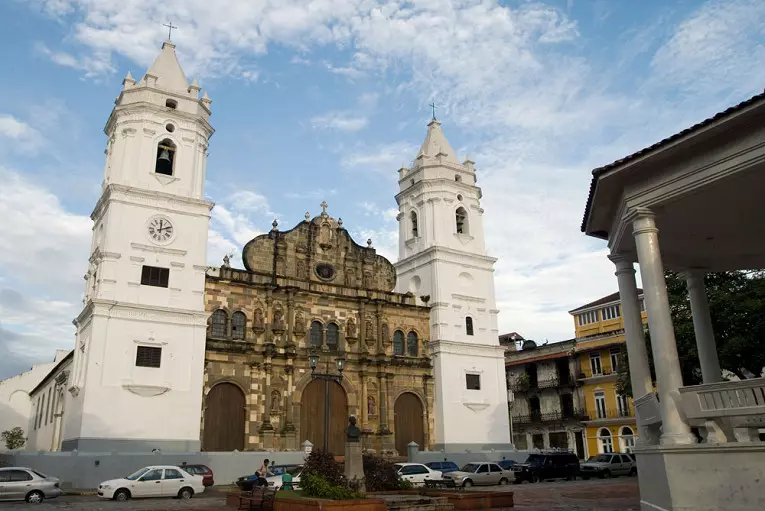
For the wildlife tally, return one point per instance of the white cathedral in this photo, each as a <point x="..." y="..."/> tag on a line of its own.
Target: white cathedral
<point x="151" y="227"/>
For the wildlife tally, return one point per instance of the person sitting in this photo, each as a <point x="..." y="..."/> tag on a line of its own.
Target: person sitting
<point x="264" y="472"/>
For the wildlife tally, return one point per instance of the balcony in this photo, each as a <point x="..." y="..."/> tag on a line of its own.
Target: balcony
<point x="548" y="383"/>
<point x="551" y="417"/>
<point x="587" y="375"/>
<point x="616" y="416"/>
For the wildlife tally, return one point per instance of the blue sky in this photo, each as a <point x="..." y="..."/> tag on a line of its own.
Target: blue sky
<point x="323" y="100"/>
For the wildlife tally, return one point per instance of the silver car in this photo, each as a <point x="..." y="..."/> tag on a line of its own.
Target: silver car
<point x="608" y="465"/>
<point x="19" y="483"/>
<point x="479" y="473"/>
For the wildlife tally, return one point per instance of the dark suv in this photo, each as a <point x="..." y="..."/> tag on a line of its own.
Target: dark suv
<point x="443" y="466"/>
<point x="539" y="467"/>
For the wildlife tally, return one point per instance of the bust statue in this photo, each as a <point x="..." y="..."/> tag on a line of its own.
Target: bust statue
<point x="352" y="432"/>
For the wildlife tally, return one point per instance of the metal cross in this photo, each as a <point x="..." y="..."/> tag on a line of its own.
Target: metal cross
<point x="324" y="206"/>
<point x="170" y="28"/>
<point x="433" y="106"/>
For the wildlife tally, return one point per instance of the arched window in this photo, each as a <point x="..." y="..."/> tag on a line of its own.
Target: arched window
<point x="218" y="327"/>
<point x="315" y="335"/>
<point x="626" y="439"/>
<point x="165" y="158"/>
<point x="333" y="336"/>
<point x="398" y="342"/>
<point x="238" y="320"/>
<point x="461" y="221"/>
<point x="171" y="103"/>
<point x="605" y="442"/>
<point x="469" y="325"/>
<point x="415" y="231"/>
<point x="411" y="344"/>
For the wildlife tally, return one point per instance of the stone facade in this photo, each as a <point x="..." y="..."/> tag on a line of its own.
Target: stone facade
<point x="315" y="274"/>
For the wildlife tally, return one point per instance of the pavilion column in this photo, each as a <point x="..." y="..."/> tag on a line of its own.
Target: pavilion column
<point x="702" y="327"/>
<point x="637" y="353"/>
<point x="663" y="344"/>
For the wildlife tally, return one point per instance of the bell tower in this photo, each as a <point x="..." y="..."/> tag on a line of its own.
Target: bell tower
<point x="137" y="376"/>
<point x="443" y="261"/>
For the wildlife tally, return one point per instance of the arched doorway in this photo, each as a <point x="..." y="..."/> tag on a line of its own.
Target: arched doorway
<point x="312" y="408"/>
<point x="225" y="412"/>
<point x="408" y="422"/>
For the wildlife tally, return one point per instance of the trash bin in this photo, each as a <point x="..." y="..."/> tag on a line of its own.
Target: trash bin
<point x="287" y="481"/>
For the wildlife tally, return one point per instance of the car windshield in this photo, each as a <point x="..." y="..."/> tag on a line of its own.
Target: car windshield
<point x="295" y="471"/>
<point x="470" y="467"/>
<point x="601" y="458"/>
<point x="535" y="459"/>
<point x="136" y="475"/>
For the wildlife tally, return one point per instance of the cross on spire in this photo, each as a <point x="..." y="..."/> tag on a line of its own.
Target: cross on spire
<point x="324" y="207"/>
<point x="433" y="106"/>
<point x="170" y="28"/>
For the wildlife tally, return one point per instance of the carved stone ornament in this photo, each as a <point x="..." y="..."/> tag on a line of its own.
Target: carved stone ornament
<point x="302" y="274"/>
<point x="299" y="323"/>
<point x="325" y="271"/>
<point x="350" y="329"/>
<point x="278" y="324"/>
<point x="257" y="321"/>
<point x="370" y="331"/>
<point x="385" y="334"/>
<point x="350" y="281"/>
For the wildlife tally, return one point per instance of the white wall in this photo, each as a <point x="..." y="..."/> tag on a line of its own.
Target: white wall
<point x="49" y="404"/>
<point x="15" y="403"/>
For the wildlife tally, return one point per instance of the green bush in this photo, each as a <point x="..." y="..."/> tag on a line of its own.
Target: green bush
<point x="314" y="485"/>
<point x="404" y="484"/>
<point x="323" y="464"/>
<point x="380" y="474"/>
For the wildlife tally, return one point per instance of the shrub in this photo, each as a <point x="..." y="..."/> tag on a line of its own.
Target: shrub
<point x="380" y="475"/>
<point x="404" y="484"/>
<point x="14" y="438"/>
<point x="323" y="464"/>
<point x="314" y="485"/>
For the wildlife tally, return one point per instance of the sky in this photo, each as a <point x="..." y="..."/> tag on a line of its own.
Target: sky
<point x="325" y="99"/>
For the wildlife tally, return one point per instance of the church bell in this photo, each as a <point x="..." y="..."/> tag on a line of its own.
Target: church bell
<point x="165" y="155"/>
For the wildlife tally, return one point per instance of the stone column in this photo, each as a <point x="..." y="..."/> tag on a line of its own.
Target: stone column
<point x="290" y="315"/>
<point x="290" y="435"/>
<point x="663" y="345"/>
<point x="378" y="318"/>
<point x="546" y="438"/>
<point x="364" y="409"/>
<point x="266" y="428"/>
<point x="269" y="317"/>
<point x="640" y="374"/>
<point x="425" y="379"/>
<point x="702" y="327"/>
<point x="362" y="340"/>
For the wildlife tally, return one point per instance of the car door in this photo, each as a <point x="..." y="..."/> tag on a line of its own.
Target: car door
<point x="626" y="464"/>
<point x="149" y="485"/>
<point x="496" y="473"/>
<point x="421" y="472"/>
<point x="5" y="475"/>
<point x="483" y="475"/>
<point x="409" y="473"/>
<point x="172" y="482"/>
<point x="19" y="484"/>
<point x="616" y="465"/>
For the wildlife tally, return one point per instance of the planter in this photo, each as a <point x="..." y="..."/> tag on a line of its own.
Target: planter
<point x="465" y="500"/>
<point x="308" y="504"/>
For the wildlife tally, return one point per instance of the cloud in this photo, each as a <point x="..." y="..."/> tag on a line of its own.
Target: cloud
<point x="18" y="136"/>
<point x="382" y="158"/>
<point x="341" y="121"/>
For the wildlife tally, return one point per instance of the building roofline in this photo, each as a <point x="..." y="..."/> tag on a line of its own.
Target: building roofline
<point x="55" y="368"/>
<point x="602" y="302"/>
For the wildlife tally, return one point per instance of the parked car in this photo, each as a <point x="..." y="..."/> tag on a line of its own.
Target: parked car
<point x="608" y="465"/>
<point x="276" y="480"/>
<point x="543" y="466"/>
<point x="443" y="466"/>
<point x="21" y="483"/>
<point x="479" y="473"/>
<point x="507" y="464"/>
<point x="206" y="472"/>
<point x="417" y="473"/>
<point x="154" y="481"/>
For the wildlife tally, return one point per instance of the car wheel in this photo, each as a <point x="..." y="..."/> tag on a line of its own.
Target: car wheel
<point x="467" y="484"/>
<point x="503" y="481"/>
<point x="633" y="472"/>
<point x="570" y="477"/>
<point x="586" y="478"/>
<point x="121" y="495"/>
<point x="607" y="474"/>
<point x="535" y="478"/>
<point x="185" y="493"/>
<point x="35" y="497"/>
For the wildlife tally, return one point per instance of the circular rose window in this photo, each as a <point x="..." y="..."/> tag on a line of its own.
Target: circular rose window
<point x="325" y="271"/>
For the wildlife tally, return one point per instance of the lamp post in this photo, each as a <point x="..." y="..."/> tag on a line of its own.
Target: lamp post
<point x="313" y="361"/>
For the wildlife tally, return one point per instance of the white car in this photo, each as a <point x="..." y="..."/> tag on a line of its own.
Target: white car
<point x="417" y="473"/>
<point x="275" y="482"/>
<point x="155" y="481"/>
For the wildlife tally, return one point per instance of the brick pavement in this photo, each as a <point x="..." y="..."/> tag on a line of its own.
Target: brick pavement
<point x="595" y="495"/>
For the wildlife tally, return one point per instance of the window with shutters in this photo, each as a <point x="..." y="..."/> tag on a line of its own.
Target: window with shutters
<point x="316" y="331"/>
<point x="238" y="321"/>
<point x="411" y="344"/>
<point x="148" y="356"/>
<point x="398" y="342"/>
<point x="218" y="324"/>
<point x="154" y="276"/>
<point x="333" y="336"/>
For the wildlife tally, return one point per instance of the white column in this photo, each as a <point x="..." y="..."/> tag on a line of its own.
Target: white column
<point x="702" y="327"/>
<point x="663" y="345"/>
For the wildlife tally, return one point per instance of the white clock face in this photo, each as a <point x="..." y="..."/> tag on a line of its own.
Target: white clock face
<point x="161" y="230"/>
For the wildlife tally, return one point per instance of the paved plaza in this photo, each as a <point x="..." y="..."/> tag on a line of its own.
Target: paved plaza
<point x="595" y="495"/>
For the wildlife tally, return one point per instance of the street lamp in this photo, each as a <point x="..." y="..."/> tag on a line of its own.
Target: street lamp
<point x="313" y="361"/>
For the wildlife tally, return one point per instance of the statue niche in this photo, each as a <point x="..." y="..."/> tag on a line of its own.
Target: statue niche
<point x="299" y="323"/>
<point x="257" y="321"/>
<point x="350" y="329"/>
<point x="325" y="236"/>
<point x="278" y="323"/>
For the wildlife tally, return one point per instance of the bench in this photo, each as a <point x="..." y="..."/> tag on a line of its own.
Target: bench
<point x="257" y="500"/>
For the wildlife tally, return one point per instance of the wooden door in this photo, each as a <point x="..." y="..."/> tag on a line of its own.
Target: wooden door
<point x="408" y="425"/>
<point x="225" y="413"/>
<point x="312" y="408"/>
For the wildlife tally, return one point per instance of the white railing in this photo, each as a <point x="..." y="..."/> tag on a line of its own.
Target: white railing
<point x="728" y="410"/>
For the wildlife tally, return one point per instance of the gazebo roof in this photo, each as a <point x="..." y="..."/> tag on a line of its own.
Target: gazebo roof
<point x="648" y="151"/>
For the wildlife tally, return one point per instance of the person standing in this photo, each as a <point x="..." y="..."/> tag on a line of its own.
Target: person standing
<point x="264" y="472"/>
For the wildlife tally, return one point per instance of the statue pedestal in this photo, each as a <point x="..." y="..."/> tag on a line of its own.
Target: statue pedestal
<point x="354" y="463"/>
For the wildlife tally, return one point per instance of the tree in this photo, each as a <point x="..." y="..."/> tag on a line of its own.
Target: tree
<point x="737" y="308"/>
<point x="14" y="438"/>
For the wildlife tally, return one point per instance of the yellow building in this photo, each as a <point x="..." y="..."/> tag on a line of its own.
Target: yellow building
<point x="599" y="327"/>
